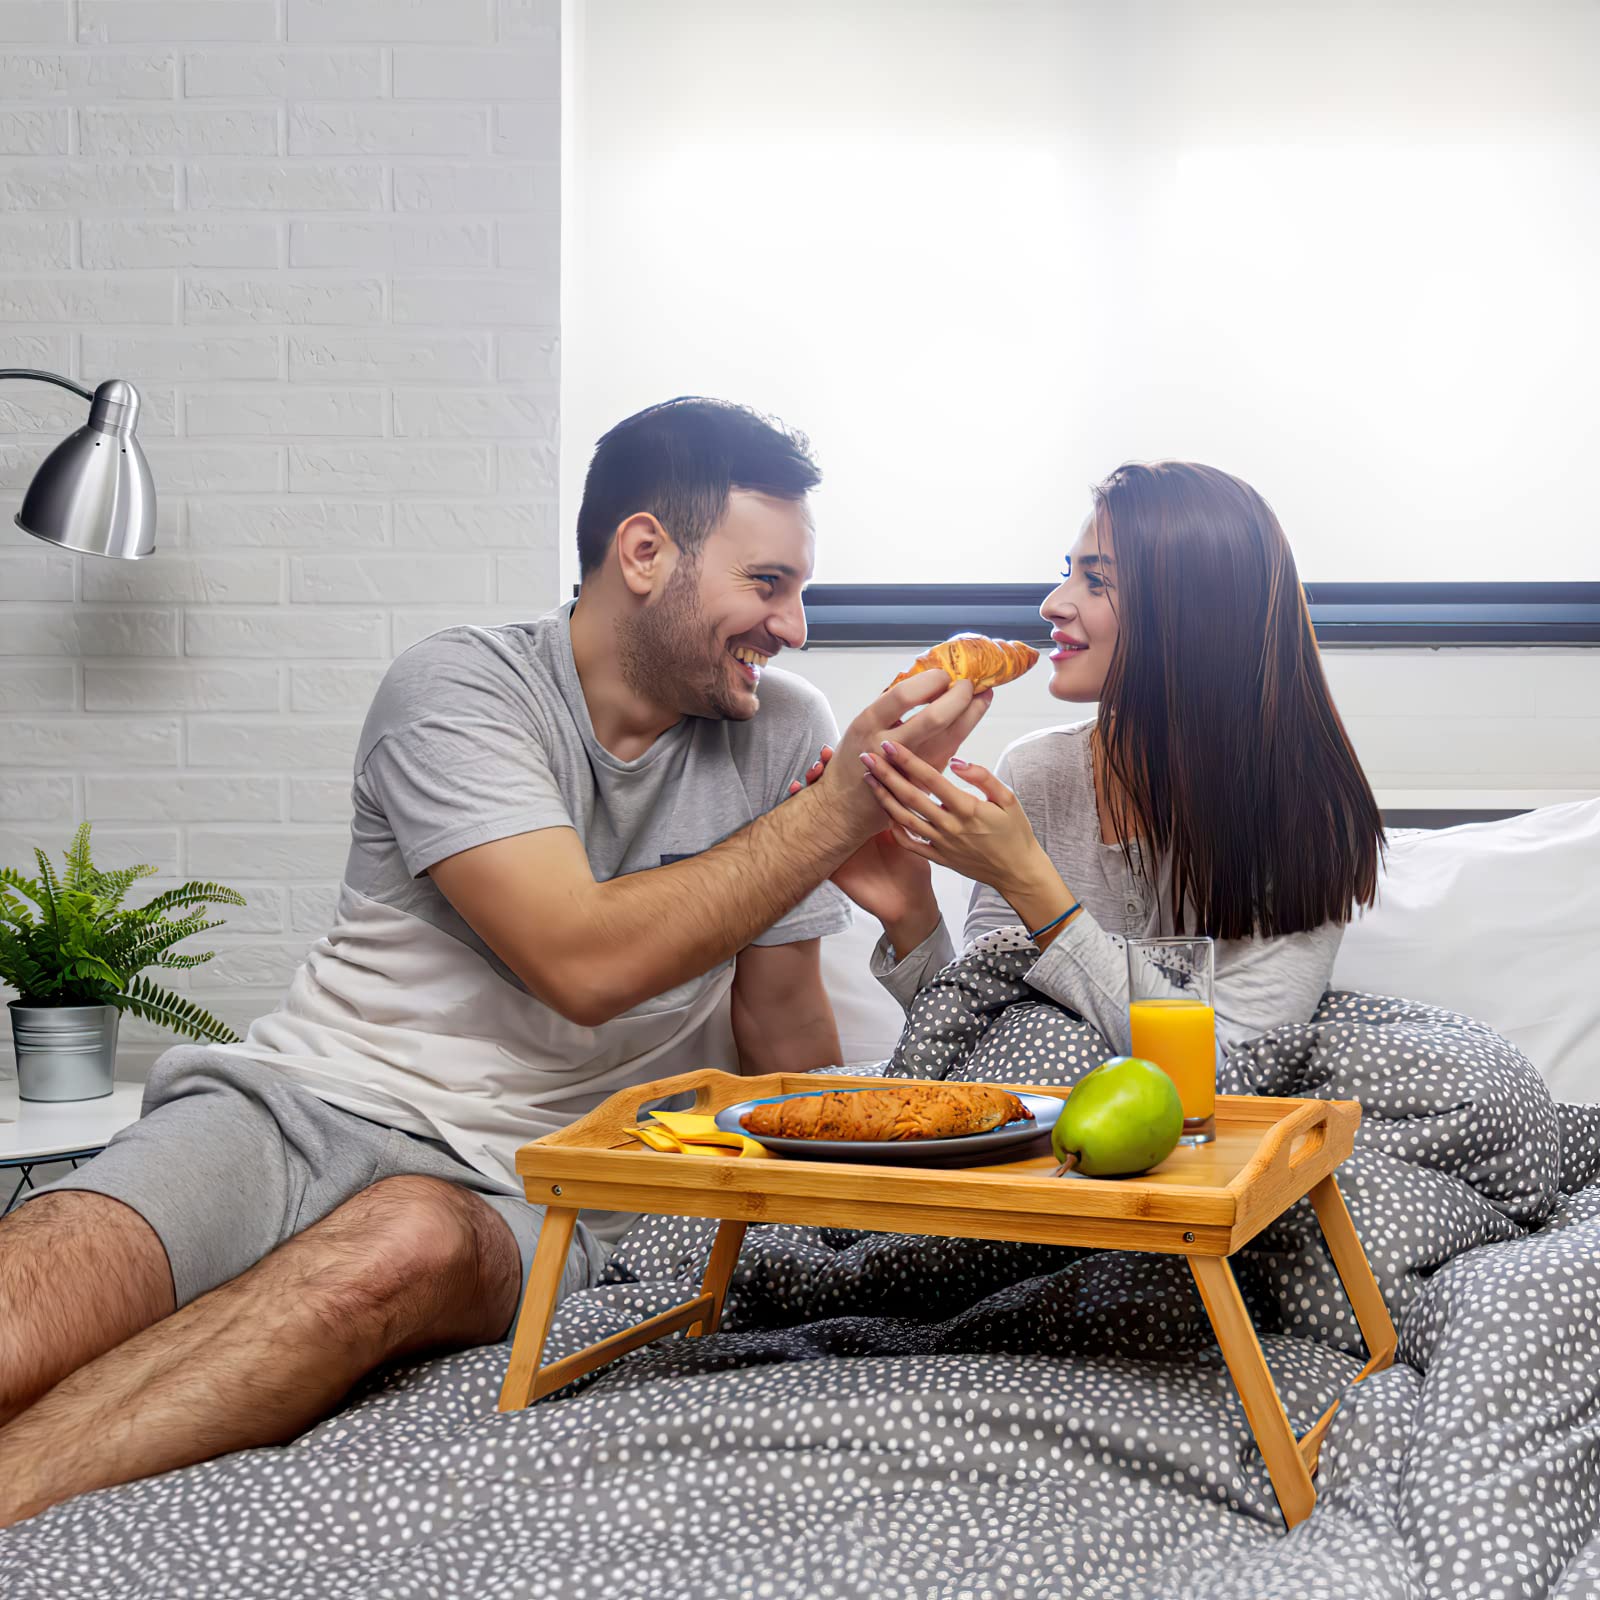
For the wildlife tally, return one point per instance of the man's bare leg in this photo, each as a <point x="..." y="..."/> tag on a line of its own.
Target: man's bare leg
<point x="79" y="1273"/>
<point x="408" y="1265"/>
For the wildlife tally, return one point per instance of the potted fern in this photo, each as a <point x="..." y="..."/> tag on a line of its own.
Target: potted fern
<point x="75" y="956"/>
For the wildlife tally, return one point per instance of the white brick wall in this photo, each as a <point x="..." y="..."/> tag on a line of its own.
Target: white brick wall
<point x="322" y="238"/>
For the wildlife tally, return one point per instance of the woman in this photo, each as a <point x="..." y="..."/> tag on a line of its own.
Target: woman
<point x="1216" y="791"/>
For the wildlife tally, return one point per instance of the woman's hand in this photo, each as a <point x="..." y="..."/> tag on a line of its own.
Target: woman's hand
<point x="927" y="713"/>
<point x="987" y="838"/>
<point x="885" y="881"/>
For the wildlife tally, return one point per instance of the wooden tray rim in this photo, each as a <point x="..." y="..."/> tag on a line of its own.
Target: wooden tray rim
<point x="597" y="1152"/>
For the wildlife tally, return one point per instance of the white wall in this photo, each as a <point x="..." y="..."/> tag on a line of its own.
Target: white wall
<point x="321" y="237"/>
<point x="983" y="253"/>
<point x="1494" y="729"/>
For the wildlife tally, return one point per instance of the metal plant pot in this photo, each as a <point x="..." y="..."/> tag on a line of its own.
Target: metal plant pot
<point x="64" y="1052"/>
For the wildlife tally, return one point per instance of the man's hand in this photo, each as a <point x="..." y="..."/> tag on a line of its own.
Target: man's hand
<point x="948" y="713"/>
<point x="887" y="882"/>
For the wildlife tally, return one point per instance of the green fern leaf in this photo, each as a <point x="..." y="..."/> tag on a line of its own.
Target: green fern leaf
<point x="143" y="952"/>
<point x="79" y="867"/>
<point x="50" y="884"/>
<point x="184" y="962"/>
<point x="31" y="887"/>
<point x="154" y="1004"/>
<point x="110" y="887"/>
<point x="92" y="969"/>
<point x="191" y="894"/>
<point x="20" y="969"/>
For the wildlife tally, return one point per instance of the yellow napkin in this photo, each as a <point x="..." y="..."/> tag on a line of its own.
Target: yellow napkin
<point x="688" y="1133"/>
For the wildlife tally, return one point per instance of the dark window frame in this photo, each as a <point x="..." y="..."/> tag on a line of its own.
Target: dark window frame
<point x="1424" y="614"/>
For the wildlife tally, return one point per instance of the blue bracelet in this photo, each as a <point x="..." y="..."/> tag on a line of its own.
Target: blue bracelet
<point x="1075" y="906"/>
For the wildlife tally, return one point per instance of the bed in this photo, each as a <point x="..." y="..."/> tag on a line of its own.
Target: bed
<point x="885" y="1417"/>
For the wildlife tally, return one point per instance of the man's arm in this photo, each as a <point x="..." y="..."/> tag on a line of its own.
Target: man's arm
<point x="782" y="1020"/>
<point x="592" y="950"/>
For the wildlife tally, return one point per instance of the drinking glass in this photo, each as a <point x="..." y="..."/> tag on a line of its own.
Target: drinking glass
<point x="1171" y="985"/>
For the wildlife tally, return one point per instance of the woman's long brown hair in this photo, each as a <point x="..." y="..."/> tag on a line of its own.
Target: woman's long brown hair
<point x="1226" y="757"/>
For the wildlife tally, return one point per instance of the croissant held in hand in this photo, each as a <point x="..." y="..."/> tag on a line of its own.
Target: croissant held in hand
<point x="985" y="662"/>
<point x="908" y="1111"/>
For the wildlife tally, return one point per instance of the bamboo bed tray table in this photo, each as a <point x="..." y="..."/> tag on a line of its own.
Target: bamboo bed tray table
<point x="1203" y="1202"/>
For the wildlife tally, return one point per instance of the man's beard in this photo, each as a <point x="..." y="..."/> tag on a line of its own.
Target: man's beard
<point x="670" y="655"/>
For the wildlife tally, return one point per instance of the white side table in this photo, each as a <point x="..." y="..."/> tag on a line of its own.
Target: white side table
<point x="34" y="1133"/>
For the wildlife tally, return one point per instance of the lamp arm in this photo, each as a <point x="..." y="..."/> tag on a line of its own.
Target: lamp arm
<point x="46" y="377"/>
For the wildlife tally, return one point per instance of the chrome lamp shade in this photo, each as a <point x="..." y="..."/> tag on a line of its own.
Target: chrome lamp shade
<point x="94" y="493"/>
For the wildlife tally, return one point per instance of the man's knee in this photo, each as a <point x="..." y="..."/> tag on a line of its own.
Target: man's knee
<point x="413" y="1254"/>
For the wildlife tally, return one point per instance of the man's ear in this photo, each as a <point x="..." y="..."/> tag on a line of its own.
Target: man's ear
<point x="646" y="555"/>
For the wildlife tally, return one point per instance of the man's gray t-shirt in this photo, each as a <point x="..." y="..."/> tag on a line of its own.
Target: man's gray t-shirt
<point x="480" y="733"/>
<point x="402" y="1014"/>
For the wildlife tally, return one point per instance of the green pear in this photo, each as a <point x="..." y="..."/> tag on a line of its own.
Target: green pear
<point x="1123" y="1117"/>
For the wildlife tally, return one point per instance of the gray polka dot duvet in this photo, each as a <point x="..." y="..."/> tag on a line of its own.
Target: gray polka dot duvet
<point x="888" y="1417"/>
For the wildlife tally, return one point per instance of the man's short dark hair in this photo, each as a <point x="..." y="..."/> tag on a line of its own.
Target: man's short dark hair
<point x="679" y="461"/>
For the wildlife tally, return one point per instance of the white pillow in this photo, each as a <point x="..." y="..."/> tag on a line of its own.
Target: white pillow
<point x="1500" y="921"/>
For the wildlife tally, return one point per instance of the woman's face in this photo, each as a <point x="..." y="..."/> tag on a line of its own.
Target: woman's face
<point x="1081" y="611"/>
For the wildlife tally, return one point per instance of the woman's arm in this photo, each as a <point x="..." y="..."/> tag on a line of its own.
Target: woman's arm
<point x="985" y="836"/>
<point x="904" y="976"/>
<point x="1039" y="894"/>
<point x="1260" y="983"/>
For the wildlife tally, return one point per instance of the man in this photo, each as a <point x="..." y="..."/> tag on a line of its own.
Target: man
<point x="570" y="839"/>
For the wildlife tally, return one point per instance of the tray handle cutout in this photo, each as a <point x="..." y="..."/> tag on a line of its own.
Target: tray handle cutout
<point x="1307" y="1146"/>
<point x="1296" y="1148"/>
<point x="615" y="1116"/>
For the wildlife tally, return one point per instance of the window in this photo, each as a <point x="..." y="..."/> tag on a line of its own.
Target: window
<point x="982" y="253"/>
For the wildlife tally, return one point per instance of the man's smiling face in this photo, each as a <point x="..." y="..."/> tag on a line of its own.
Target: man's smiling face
<point x="702" y="644"/>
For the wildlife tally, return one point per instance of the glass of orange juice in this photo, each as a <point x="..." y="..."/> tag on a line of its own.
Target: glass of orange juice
<point x="1171" y="1009"/>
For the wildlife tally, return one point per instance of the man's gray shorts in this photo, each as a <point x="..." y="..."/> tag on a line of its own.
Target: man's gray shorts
<point x="228" y="1160"/>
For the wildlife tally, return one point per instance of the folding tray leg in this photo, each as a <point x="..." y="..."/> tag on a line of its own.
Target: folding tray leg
<point x="719" y="1274"/>
<point x="1291" y="1478"/>
<point x="538" y="1306"/>
<point x="527" y="1381"/>
<point x="1361" y="1288"/>
<point x="1372" y="1315"/>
